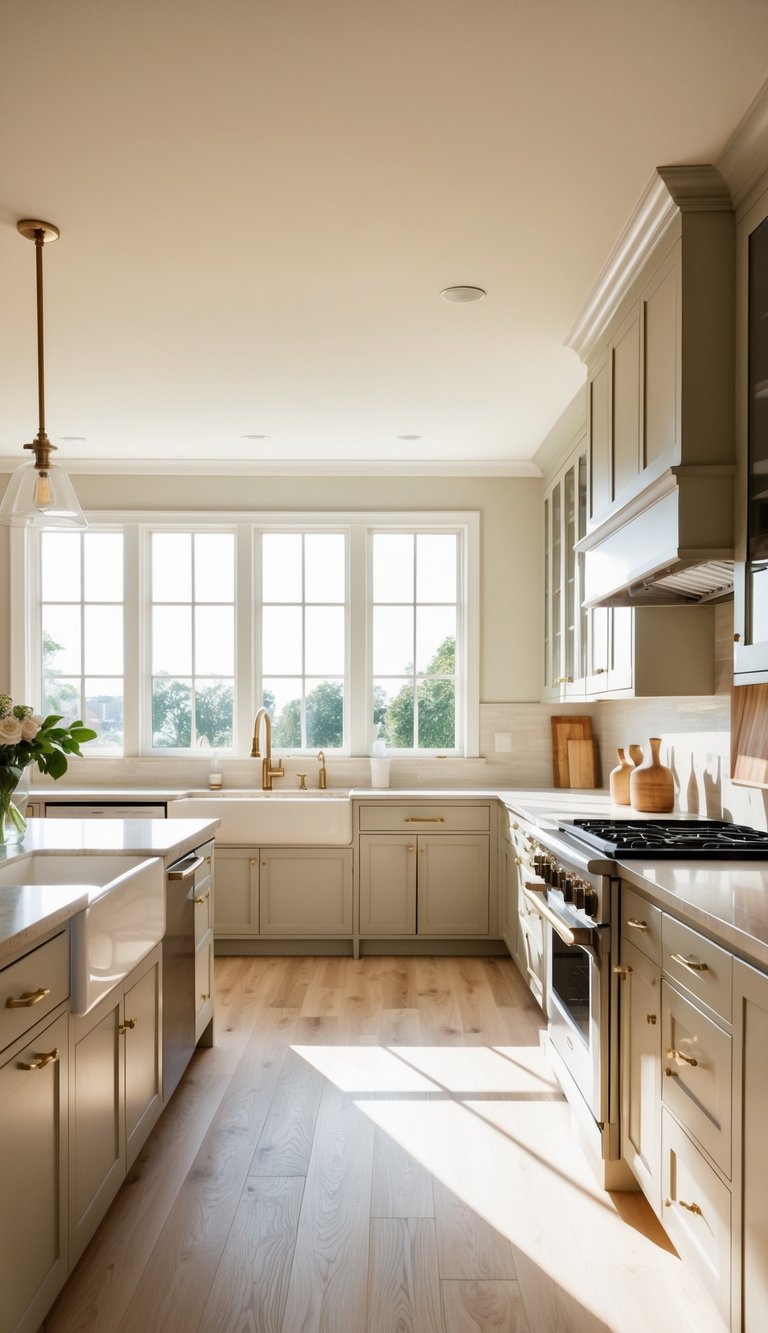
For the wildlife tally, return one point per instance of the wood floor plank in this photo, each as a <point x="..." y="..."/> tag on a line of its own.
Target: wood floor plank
<point x="484" y="1307"/>
<point x="327" y="1290"/>
<point x="400" y="1186"/>
<point x="286" y="1139"/>
<point x="478" y="1009"/>
<point x="468" y="1246"/>
<point x="177" y="1280"/>
<point x="440" y="1016"/>
<point x="251" y="1284"/>
<point x="400" y="1027"/>
<point x="403" y="1284"/>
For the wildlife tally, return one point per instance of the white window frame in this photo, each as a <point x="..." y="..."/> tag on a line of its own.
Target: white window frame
<point x="358" y="701"/>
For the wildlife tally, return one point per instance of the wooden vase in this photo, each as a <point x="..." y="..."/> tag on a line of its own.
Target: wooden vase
<point x="618" y="780"/>
<point x="651" y="785"/>
<point x="635" y="753"/>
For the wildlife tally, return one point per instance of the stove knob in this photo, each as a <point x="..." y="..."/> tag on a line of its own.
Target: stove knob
<point x="579" y="894"/>
<point x="568" y="889"/>
<point x="539" y="863"/>
<point x="562" y="879"/>
<point x="591" y="903"/>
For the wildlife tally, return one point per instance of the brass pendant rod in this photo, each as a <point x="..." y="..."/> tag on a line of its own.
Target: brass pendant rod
<point x="39" y="243"/>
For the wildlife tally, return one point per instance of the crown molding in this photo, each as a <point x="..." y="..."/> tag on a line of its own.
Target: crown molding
<point x="305" y="467"/>
<point x="670" y="191"/>
<point x="745" y="157"/>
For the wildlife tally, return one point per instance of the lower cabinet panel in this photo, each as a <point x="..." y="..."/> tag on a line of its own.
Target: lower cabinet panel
<point x="696" y="1212"/>
<point x="305" y="891"/>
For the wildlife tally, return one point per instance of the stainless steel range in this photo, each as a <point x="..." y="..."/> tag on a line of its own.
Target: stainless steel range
<point x="570" y="878"/>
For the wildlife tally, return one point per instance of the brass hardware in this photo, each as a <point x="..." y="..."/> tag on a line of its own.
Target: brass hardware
<point x="194" y="865"/>
<point x="600" y="671"/>
<point x="268" y="772"/>
<point x="41" y="1061"/>
<point x="637" y="925"/>
<point x="322" y="777"/>
<point x="425" y="819"/>
<point x="690" y="963"/>
<point x="680" y="1058"/>
<point x="29" y="998"/>
<point x="622" y="970"/>
<point x="692" y="1207"/>
<point x="206" y="995"/>
<point x="671" y="1073"/>
<point x="302" y="781"/>
<point x="201" y="897"/>
<point x="737" y="638"/>
<point x="563" y="680"/>
<point x="411" y="847"/>
<point x="651" y="1018"/>
<point x="252" y="861"/>
<point x="129" y="1023"/>
<point x="535" y="886"/>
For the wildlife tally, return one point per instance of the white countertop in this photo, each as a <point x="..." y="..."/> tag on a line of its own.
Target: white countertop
<point x="28" y="912"/>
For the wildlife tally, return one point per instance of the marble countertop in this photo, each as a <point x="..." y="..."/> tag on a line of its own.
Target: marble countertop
<point x="29" y="912"/>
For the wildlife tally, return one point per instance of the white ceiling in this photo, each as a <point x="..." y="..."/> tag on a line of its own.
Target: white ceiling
<point x="260" y="201"/>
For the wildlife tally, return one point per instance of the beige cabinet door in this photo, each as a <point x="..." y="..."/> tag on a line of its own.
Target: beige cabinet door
<point x="750" y="991"/>
<point x="97" y="1152"/>
<point x="453" y="884"/>
<point x="203" y="985"/>
<point x="640" y="998"/>
<point x="387" y="875"/>
<point x="236" y="908"/>
<point x="305" y="891"/>
<point x="33" y="1169"/>
<point x="625" y="404"/>
<point x="600" y="481"/>
<point x="143" y="1080"/>
<point x="661" y="336"/>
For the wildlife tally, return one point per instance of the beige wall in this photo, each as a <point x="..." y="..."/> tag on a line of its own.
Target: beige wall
<point x="510" y="543"/>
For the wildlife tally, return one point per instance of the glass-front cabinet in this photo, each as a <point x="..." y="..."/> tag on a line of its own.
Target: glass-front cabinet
<point x="751" y="600"/>
<point x="565" y="620"/>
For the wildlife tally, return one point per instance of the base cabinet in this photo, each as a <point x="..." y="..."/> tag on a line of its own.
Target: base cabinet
<point x="424" y="884"/>
<point x="641" y="1070"/>
<point x="283" y="891"/>
<point x="34" y="1259"/>
<point x="750" y="990"/>
<point x="115" y="1094"/>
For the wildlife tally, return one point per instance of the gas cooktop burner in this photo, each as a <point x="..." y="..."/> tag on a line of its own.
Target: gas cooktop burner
<point x="670" y="837"/>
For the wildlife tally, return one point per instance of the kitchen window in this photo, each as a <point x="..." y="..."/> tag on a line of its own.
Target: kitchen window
<point x="166" y="633"/>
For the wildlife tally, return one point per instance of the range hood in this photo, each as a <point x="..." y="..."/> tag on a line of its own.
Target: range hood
<point x="670" y="545"/>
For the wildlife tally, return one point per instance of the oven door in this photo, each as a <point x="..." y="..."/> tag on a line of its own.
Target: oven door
<point x="578" y="998"/>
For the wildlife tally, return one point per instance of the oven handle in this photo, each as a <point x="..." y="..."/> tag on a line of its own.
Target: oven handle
<point x="580" y="936"/>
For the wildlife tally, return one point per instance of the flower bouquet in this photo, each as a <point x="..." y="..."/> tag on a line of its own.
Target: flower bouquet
<point x="26" y="739"/>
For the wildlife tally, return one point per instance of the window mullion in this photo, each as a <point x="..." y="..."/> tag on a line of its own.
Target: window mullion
<point x="137" y="680"/>
<point x="358" y="701"/>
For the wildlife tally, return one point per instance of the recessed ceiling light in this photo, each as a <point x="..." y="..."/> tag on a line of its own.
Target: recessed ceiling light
<point x="460" y="295"/>
<point x="410" y="437"/>
<point x="255" y="437"/>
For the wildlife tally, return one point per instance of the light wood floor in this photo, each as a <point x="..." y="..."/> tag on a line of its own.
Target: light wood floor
<point x="373" y="1146"/>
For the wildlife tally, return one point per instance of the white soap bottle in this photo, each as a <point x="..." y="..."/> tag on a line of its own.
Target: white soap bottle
<point x="214" y="773"/>
<point x="379" y="763"/>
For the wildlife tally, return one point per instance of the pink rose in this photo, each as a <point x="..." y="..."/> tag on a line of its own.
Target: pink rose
<point x="30" y="727"/>
<point x="10" y="730"/>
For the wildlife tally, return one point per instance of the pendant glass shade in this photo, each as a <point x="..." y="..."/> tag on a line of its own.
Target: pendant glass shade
<point x="40" y="494"/>
<point x="41" y="499"/>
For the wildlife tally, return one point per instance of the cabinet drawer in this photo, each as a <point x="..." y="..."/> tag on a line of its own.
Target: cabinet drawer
<point x="45" y="973"/>
<point x="203" y="902"/>
<point x="697" y="1212"/>
<point x="641" y="924"/>
<point x="696" y="1058"/>
<point x="194" y="868"/>
<point x="441" y="818"/>
<point x="702" y="967"/>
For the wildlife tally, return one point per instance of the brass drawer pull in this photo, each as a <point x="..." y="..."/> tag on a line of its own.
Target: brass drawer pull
<point x="425" y="819"/>
<point x="41" y="1061"/>
<point x="201" y="897"/>
<point x="680" y="1058"/>
<point x="129" y="1023"/>
<point x="29" y="998"/>
<point x="692" y="1207"/>
<point x="622" y="970"/>
<point x="692" y="964"/>
<point x="637" y="925"/>
<point x="651" y="1018"/>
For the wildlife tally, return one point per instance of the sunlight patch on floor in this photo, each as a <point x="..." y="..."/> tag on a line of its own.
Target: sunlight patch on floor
<point x="365" y="1069"/>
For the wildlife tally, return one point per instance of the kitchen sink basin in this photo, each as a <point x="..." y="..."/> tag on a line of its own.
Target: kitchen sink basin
<point x="272" y="818"/>
<point x="124" y="919"/>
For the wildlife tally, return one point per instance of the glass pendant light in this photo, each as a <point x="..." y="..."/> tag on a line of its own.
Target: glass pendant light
<point x="40" y="494"/>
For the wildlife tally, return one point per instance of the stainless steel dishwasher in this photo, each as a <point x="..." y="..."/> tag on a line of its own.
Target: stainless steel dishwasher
<point x="186" y="881"/>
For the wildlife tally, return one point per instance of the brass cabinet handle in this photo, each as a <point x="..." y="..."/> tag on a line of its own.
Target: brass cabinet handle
<point x="692" y="1207"/>
<point x="600" y="671"/>
<point x="651" y="1018"/>
<point x="670" y="1073"/>
<point x="635" y="924"/>
<point x="411" y="846"/>
<point x="425" y="819"/>
<point x="29" y="998"/>
<point x="201" y="897"/>
<point x="563" y="680"/>
<point x="129" y="1023"/>
<point x="205" y="995"/>
<point x="692" y="964"/>
<point x="41" y="1060"/>
<point x="680" y="1058"/>
<point x="622" y="970"/>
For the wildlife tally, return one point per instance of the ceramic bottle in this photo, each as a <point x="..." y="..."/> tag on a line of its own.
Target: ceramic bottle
<point x="651" y="785"/>
<point x="618" y="780"/>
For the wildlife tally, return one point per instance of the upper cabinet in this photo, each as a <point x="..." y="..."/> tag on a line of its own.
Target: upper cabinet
<point x="751" y="585"/>
<point x="657" y="339"/>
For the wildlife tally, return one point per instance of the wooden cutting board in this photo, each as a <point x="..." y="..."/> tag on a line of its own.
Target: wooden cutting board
<point x="583" y="764"/>
<point x="565" y="729"/>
